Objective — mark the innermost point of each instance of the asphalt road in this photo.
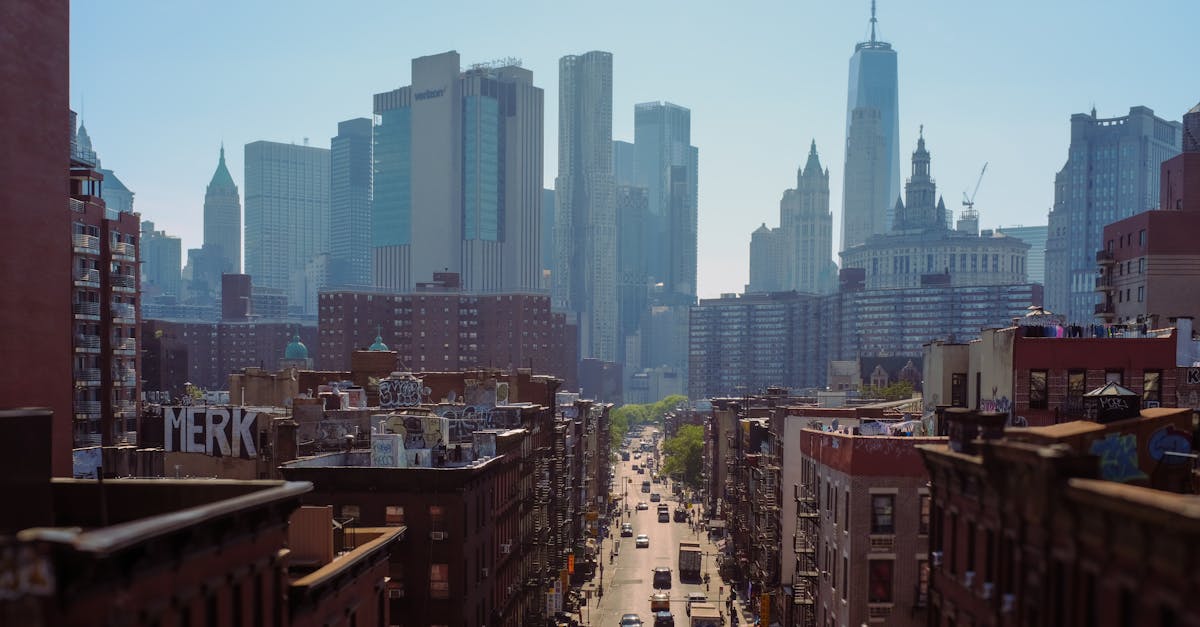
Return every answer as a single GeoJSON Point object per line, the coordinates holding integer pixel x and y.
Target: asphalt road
{"type": "Point", "coordinates": [627, 580]}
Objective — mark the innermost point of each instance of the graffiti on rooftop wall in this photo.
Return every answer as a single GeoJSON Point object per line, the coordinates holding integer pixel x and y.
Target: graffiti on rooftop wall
{"type": "Point", "coordinates": [401, 392]}
{"type": "Point", "coordinates": [1169, 439]}
{"type": "Point", "coordinates": [1118, 453]}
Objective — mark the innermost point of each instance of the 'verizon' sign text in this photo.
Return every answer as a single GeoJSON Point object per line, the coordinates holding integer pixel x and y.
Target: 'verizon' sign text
{"type": "Point", "coordinates": [217, 431]}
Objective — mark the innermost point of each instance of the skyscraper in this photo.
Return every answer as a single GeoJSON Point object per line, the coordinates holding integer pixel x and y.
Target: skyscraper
{"type": "Point", "coordinates": [804, 216]}
{"type": "Point", "coordinates": [458, 177]}
{"type": "Point", "coordinates": [798, 255]}
{"type": "Point", "coordinates": [872, 181]}
{"type": "Point", "coordinates": [350, 169]}
{"type": "Point", "coordinates": [1111, 173]}
{"type": "Point", "coordinates": [287, 216]}
{"type": "Point", "coordinates": [223, 221]}
{"type": "Point", "coordinates": [162, 263]}
{"type": "Point", "coordinates": [585, 224]}
{"type": "Point", "coordinates": [666, 166]}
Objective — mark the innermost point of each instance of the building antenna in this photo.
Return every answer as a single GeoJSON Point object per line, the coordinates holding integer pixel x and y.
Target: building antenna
{"type": "Point", "coordinates": [873, 20]}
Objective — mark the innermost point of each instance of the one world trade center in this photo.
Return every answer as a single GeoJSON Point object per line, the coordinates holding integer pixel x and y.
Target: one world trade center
{"type": "Point", "coordinates": [872, 175]}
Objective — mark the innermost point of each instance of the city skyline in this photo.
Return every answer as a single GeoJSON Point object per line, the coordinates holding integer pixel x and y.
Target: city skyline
{"type": "Point", "coordinates": [1025, 101]}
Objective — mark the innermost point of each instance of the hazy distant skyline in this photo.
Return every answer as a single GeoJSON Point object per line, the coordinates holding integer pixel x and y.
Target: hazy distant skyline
{"type": "Point", "coordinates": [160, 86]}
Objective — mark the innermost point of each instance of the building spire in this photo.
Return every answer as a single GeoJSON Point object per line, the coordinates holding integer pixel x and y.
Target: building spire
{"type": "Point", "coordinates": [873, 20]}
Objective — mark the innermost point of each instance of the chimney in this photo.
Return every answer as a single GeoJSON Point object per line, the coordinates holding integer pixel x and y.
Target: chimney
{"type": "Point", "coordinates": [962, 425]}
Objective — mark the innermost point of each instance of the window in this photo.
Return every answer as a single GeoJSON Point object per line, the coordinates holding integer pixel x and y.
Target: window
{"type": "Point", "coordinates": [882, 518]}
{"type": "Point", "coordinates": [845, 577]}
{"type": "Point", "coordinates": [1142, 265]}
{"type": "Point", "coordinates": [1142, 238]}
{"type": "Point", "coordinates": [350, 511]}
{"type": "Point", "coordinates": [393, 515]}
{"type": "Point", "coordinates": [1037, 389]}
{"type": "Point", "coordinates": [879, 587]}
{"type": "Point", "coordinates": [922, 583]}
{"type": "Point", "coordinates": [437, 518]}
{"type": "Point", "coordinates": [846, 518]}
{"type": "Point", "coordinates": [1141, 293]}
{"type": "Point", "coordinates": [971, 546]}
{"type": "Point", "coordinates": [1114, 376]}
{"type": "Point", "coordinates": [1151, 385]}
{"type": "Point", "coordinates": [439, 581]}
{"type": "Point", "coordinates": [958, 389]}
{"type": "Point", "coordinates": [923, 525]}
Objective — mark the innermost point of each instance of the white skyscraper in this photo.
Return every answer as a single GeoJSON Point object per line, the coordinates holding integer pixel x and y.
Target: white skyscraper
{"type": "Point", "coordinates": [585, 224]}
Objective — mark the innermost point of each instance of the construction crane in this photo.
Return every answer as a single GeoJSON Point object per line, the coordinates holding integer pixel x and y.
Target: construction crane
{"type": "Point", "coordinates": [969, 202]}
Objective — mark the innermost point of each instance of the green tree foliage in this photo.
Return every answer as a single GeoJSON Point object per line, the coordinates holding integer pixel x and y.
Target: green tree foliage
{"type": "Point", "coordinates": [682, 455]}
{"type": "Point", "coordinates": [625, 416]}
{"type": "Point", "coordinates": [897, 391]}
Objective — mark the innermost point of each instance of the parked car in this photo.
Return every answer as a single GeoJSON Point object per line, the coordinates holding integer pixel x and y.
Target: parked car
{"type": "Point", "coordinates": [642, 541]}
{"type": "Point", "coordinates": [662, 577]}
{"type": "Point", "coordinates": [642, 505]}
{"type": "Point", "coordinates": [664, 517]}
{"type": "Point", "coordinates": [660, 601]}
{"type": "Point", "coordinates": [626, 530]}
{"type": "Point", "coordinates": [631, 620]}
{"type": "Point", "coordinates": [664, 619]}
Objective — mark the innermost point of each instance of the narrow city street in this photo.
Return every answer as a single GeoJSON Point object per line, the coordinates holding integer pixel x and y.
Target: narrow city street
{"type": "Point", "coordinates": [627, 579]}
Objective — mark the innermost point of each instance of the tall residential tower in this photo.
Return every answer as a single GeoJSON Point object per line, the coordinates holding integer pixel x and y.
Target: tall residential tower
{"type": "Point", "coordinates": [1111, 173]}
{"type": "Point", "coordinates": [585, 283]}
{"type": "Point", "coordinates": [872, 179]}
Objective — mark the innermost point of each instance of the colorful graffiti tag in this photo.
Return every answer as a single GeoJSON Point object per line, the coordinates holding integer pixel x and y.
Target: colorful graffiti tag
{"type": "Point", "coordinates": [1118, 453]}
{"type": "Point", "coordinates": [1170, 440]}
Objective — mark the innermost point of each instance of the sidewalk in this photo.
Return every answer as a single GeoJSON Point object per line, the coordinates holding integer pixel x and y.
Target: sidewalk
{"type": "Point", "coordinates": [718, 589]}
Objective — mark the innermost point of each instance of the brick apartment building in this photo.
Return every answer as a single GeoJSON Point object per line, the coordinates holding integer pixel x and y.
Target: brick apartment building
{"type": "Point", "coordinates": [1040, 372]}
{"type": "Point", "coordinates": [1059, 525]}
{"type": "Point", "coordinates": [445, 329]}
{"type": "Point", "coordinates": [862, 529]}
{"type": "Point", "coordinates": [175, 552]}
{"type": "Point", "coordinates": [206, 353]}
{"type": "Point", "coordinates": [105, 307]}
{"type": "Point", "coordinates": [34, 65]}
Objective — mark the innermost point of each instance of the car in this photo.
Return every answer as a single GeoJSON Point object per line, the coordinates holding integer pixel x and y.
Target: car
{"type": "Point", "coordinates": [680, 515]}
{"type": "Point", "coordinates": [641, 471]}
{"type": "Point", "coordinates": [664, 619]}
{"type": "Point", "coordinates": [626, 530]}
{"type": "Point", "coordinates": [631, 620]}
{"type": "Point", "coordinates": [662, 577]}
{"type": "Point", "coordinates": [642, 542]}
{"type": "Point", "coordinates": [656, 479]}
{"type": "Point", "coordinates": [694, 597]}
{"type": "Point", "coordinates": [637, 455]}
{"type": "Point", "coordinates": [660, 601]}
{"type": "Point", "coordinates": [655, 497]}
{"type": "Point", "coordinates": [642, 505]}
{"type": "Point", "coordinates": [664, 517]}
{"type": "Point", "coordinates": [635, 467]}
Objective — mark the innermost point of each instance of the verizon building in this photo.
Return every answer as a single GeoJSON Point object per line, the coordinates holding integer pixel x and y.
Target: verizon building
{"type": "Point", "coordinates": [458, 177]}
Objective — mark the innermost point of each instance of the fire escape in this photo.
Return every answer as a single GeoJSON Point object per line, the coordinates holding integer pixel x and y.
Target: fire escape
{"type": "Point", "coordinates": [764, 512]}
{"type": "Point", "coordinates": [805, 581]}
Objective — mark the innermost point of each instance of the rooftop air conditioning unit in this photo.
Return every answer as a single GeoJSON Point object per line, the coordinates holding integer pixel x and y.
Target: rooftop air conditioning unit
{"type": "Point", "coordinates": [437, 535]}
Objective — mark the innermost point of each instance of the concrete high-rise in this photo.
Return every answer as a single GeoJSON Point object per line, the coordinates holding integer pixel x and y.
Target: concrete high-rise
{"type": "Point", "coordinates": [1035, 261]}
{"type": "Point", "coordinates": [666, 165]}
{"type": "Point", "coordinates": [1111, 173]}
{"type": "Point", "coordinates": [585, 223]}
{"type": "Point", "coordinates": [872, 180]}
{"type": "Point", "coordinates": [223, 221]}
{"type": "Point", "coordinates": [287, 216]}
{"type": "Point", "coordinates": [458, 177]}
{"type": "Point", "coordinates": [350, 169]}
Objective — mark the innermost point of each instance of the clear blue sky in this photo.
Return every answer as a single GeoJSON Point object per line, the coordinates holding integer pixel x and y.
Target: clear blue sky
{"type": "Point", "coordinates": [161, 84]}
